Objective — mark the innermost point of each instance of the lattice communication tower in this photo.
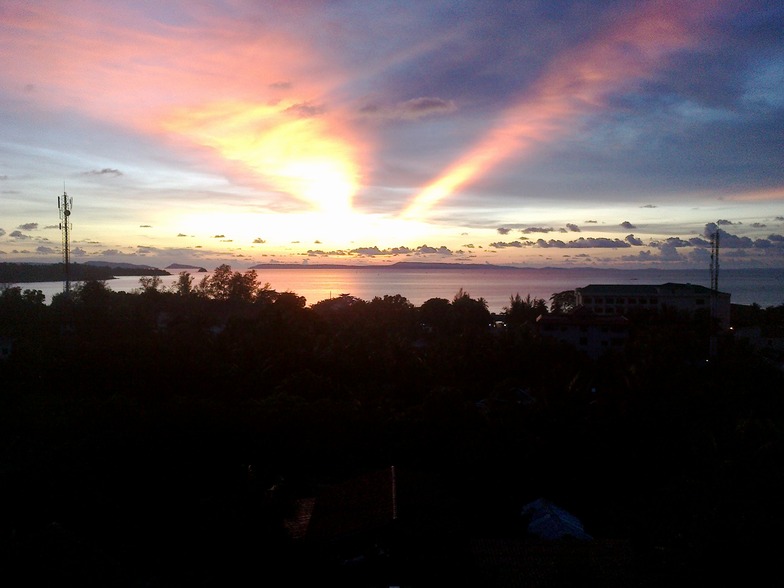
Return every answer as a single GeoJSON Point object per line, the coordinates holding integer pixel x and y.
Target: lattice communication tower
{"type": "Point", "coordinates": [714, 288]}
{"type": "Point", "coordinates": [714, 262]}
{"type": "Point", "coordinates": [64, 204]}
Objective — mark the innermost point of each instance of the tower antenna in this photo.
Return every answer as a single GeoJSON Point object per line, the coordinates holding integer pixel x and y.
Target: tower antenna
{"type": "Point", "coordinates": [64, 204]}
{"type": "Point", "coordinates": [714, 262]}
{"type": "Point", "coordinates": [714, 291]}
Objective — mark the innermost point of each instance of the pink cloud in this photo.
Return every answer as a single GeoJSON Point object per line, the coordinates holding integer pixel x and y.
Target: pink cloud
{"type": "Point", "coordinates": [577, 82]}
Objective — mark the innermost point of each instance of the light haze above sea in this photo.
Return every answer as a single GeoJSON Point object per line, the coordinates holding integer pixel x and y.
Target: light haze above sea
{"type": "Point", "coordinates": [495, 284]}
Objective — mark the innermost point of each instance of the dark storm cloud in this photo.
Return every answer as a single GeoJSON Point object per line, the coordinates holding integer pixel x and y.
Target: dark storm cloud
{"type": "Point", "coordinates": [28, 226]}
{"type": "Point", "coordinates": [321, 253]}
{"type": "Point", "coordinates": [776, 238]}
{"type": "Point", "coordinates": [672, 242]}
{"type": "Point", "coordinates": [427, 250]}
{"type": "Point", "coordinates": [727, 240]}
{"type": "Point", "coordinates": [664, 253]}
{"type": "Point", "coordinates": [375, 251]}
{"type": "Point", "coordinates": [103, 172]}
{"type": "Point", "coordinates": [669, 252]}
{"type": "Point", "coordinates": [306, 110]}
{"type": "Point", "coordinates": [583, 243]}
{"type": "Point", "coordinates": [368, 251]}
{"type": "Point", "coordinates": [632, 240]}
{"type": "Point", "coordinates": [413, 109]}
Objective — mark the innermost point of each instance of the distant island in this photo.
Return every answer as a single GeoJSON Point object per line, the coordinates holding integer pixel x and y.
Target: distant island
{"type": "Point", "coordinates": [12, 273]}
{"type": "Point", "coordinates": [181, 266]}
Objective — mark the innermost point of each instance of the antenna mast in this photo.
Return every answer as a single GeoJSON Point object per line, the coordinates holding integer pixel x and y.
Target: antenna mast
{"type": "Point", "coordinates": [64, 204]}
{"type": "Point", "coordinates": [714, 262]}
{"type": "Point", "coordinates": [714, 290]}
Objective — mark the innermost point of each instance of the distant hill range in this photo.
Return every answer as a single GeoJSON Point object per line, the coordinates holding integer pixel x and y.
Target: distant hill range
{"type": "Point", "coordinates": [12, 273]}
{"type": "Point", "coordinates": [401, 265]}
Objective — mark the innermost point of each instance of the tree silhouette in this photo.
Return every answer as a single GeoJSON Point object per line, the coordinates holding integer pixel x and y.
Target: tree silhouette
{"type": "Point", "coordinates": [184, 284]}
{"type": "Point", "coordinates": [524, 311]}
{"type": "Point", "coordinates": [563, 302]}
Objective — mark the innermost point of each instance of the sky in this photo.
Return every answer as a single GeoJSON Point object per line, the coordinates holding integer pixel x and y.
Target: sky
{"type": "Point", "coordinates": [601, 133]}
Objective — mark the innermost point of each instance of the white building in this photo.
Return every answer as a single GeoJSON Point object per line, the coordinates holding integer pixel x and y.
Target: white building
{"type": "Point", "coordinates": [593, 335]}
{"type": "Point", "coordinates": [616, 299]}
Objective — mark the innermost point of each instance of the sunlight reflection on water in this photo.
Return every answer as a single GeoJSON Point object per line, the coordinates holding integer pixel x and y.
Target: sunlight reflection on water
{"type": "Point", "coordinates": [763, 286]}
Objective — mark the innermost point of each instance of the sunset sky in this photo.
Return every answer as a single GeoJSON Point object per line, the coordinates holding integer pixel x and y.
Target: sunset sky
{"type": "Point", "coordinates": [524, 133]}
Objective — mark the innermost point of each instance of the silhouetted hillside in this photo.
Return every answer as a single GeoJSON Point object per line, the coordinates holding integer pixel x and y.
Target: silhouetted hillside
{"type": "Point", "coordinates": [12, 273]}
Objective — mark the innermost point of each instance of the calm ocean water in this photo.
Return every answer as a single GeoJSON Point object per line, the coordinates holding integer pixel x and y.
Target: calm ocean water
{"type": "Point", "coordinates": [763, 286]}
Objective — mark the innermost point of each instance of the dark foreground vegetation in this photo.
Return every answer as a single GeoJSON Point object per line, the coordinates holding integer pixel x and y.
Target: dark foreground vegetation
{"type": "Point", "coordinates": [163, 438]}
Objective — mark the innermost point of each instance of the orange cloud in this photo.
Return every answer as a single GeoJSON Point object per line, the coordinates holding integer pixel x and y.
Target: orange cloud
{"type": "Point", "coordinates": [575, 84]}
{"type": "Point", "coordinates": [764, 195]}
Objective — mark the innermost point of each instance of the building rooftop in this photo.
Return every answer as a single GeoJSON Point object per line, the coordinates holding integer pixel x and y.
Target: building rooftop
{"type": "Point", "coordinates": [644, 289]}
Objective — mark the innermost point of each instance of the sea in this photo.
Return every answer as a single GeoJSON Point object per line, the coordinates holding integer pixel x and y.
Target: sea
{"type": "Point", "coordinates": [496, 285]}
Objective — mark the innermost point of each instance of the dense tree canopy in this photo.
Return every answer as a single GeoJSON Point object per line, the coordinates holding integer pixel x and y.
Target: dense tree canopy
{"type": "Point", "coordinates": [131, 420]}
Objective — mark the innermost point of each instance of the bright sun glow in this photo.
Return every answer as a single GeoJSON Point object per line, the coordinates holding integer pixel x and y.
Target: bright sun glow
{"type": "Point", "coordinates": [303, 157]}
